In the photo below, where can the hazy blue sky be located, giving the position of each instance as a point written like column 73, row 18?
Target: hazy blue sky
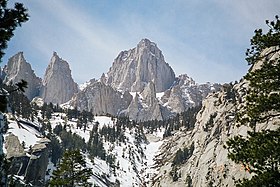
column 205, row 39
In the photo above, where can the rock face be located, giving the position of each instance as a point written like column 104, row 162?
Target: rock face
column 186, row 93
column 101, row 99
column 145, row 106
column 132, row 70
column 141, row 72
column 58, row 84
column 16, row 69
column 38, row 162
column 31, row 166
column 207, row 164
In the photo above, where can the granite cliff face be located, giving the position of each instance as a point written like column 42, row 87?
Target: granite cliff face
column 16, row 69
column 101, row 99
column 132, row 70
column 140, row 84
column 186, row 93
column 31, row 166
column 145, row 106
column 145, row 83
column 207, row 163
column 58, row 85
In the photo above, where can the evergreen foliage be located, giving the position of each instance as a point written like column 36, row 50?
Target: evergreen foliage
column 185, row 119
column 72, row 171
column 56, row 149
column 10, row 19
column 182, row 156
column 175, row 174
column 260, row 151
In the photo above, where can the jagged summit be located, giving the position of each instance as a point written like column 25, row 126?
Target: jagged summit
column 146, row 43
column 16, row 69
column 58, row 84
column 132, row 70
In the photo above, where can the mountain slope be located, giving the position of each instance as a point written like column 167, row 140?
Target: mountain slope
column 141, row 85
column 205, row 161
column 132, row 70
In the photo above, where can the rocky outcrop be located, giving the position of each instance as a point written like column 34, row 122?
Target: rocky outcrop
column 33, row 165
column 101, row 99
column 16, row 69
column 145, row 106
column 186, row 93
column 207, row 164
column 143, row 73
column 132, row 70
column 58, row 84
column 38, row 162
column 13, row 147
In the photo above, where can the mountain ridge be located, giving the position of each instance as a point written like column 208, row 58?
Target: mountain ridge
column 140, row 70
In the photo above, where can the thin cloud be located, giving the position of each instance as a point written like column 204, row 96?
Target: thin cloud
column 194, row 36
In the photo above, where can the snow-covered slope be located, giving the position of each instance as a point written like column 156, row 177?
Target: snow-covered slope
column 132, row 158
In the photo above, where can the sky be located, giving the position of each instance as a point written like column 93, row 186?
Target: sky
column 205, row 39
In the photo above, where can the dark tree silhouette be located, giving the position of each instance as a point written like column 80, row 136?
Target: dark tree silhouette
column 72, row 170
column 10, row 19
column 260, row 151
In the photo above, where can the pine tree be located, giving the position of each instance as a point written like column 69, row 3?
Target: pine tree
column 9, row 20
column 260, row 151
column 72, row 171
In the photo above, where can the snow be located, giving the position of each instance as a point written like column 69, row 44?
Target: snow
column 39, row 101
column 152, row 149
column 24, row 133
column 59, row 118
column 132, row 168
column 159, row 95
column 103, row 120
column 51, row 167
column 99, row 167
column 84, row 85
column 133, row 94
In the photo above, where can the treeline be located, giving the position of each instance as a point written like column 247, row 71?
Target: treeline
column 185, row 119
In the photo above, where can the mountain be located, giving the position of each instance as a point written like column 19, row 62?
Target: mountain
column 58, row 85
column 141, row 77
column 16, row 69
column 205, row 162
column 100, row 98
column 127, row 153
column 132, row 70
column 140, row 84
column 197, row 156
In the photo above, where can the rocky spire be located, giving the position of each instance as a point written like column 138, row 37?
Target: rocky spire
column 16, row 69
column 133, row 69
column 58, row 84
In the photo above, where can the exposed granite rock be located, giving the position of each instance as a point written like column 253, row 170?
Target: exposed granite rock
column 31, row 166
column 132, row 70
column 16, row 69
column 186, row 93
column 38, row 163
column 58, row 84
column 13, row 146
column 145, row 107
column 101, row 99
column 208, row 164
